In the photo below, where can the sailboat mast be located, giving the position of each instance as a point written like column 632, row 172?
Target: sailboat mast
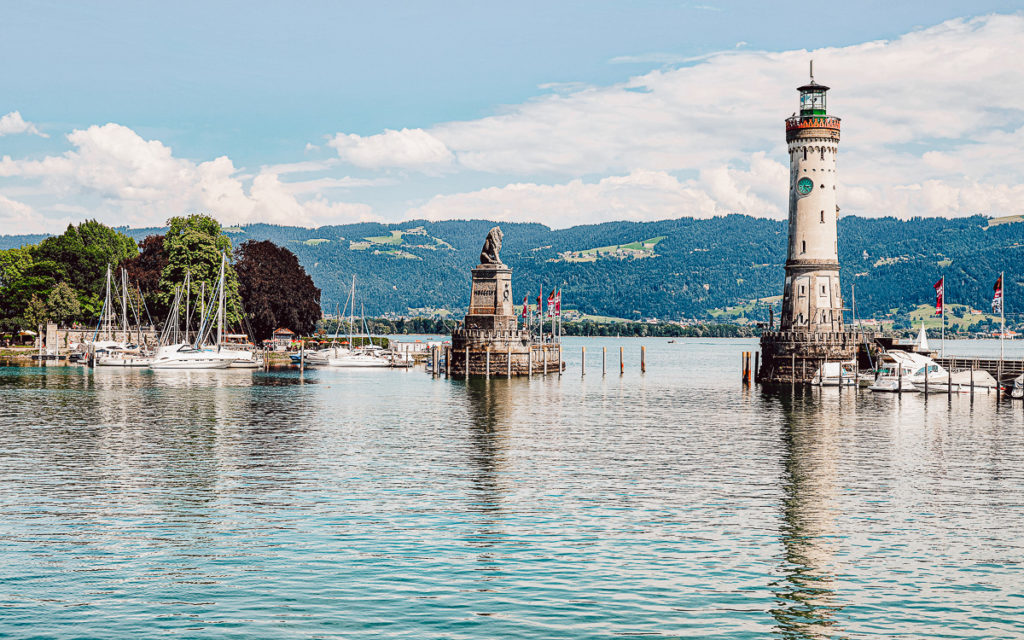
column 220, row 303
column 351, row 313
column 124, row 303
column 1002, row 313
column 942, row 348
column 188, row 297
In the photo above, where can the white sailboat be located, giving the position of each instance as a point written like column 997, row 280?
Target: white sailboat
column 112, row 352
column 186, row 355
column 352, row 357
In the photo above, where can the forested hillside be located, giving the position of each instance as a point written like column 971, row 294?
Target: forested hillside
column 687, row 268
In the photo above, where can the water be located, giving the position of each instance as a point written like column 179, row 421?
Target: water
column 359, row 504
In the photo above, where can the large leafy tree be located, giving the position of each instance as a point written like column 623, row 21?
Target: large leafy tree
column 194, row 245
column 84, row 252
column 277, row 290
column 145, row 271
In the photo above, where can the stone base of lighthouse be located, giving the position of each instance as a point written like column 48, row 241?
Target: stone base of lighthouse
column 490, row 343
column 793, row 357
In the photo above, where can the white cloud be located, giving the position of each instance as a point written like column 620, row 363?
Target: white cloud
column 13, row 123
column 641, row 195
column 937, row 107
column 406, row 149
column 141, row 182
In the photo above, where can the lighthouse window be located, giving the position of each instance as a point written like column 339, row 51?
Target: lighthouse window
column 823, row 215
column 823, row 292
column 803, row 246
column 823, row 153
column 805, row 153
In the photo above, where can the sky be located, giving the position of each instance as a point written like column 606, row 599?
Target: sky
column 562, row 113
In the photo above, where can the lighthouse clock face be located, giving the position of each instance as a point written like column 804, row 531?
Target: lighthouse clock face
column 804, row 186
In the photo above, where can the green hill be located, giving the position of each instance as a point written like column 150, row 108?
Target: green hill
column 728, row 266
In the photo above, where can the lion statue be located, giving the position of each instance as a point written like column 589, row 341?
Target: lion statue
column 492, row 247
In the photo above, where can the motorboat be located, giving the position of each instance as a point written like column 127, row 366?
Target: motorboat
column 121, row 356
column 357, row 358
column 832, row 374
column 960, row 382
column 186, row 356
column 900, row 371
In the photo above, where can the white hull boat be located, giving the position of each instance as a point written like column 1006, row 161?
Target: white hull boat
column 905, row 371
column 185, row 356
column 1018, row 388
column 357, row 360
column 960, row 382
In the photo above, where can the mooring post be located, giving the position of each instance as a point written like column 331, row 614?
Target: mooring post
column 302, row 357
column 840, row 375
column 792, row 369
column 643, row 359
column 434, row 364
column 757, row 365
column 972, row 380
column 822, row 368
column 529, row 361
column 926, row 382
column 949, row 382
column 604, row 360
column 583, row 361
column 803, row 370
column 999, row 380
column 467, row 363
column 508, row 363
column 622, row 363
column 743, row 366
column 487, row 363
column 559, row 359
column 899, row 378
column 544, row 352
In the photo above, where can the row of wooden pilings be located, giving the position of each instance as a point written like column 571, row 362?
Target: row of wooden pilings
column 435, row 365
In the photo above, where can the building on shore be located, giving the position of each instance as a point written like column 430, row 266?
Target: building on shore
column 489, row 342
column 811, row 328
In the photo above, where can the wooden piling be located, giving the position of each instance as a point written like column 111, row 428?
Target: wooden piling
column 544, row 352
column 467, row 363
column 447, row 361
column 302, row 357
column 604, row 360
column 508, row 363
column 821, row 372
column 972, row 381
column 757, row 365
column 643, row 359
column 529, row 362
column 899, row 379
column 487, row 363
column 583, row 361
column 792, row 369
column 559, row 359
column 999, row 381
column 926, row 382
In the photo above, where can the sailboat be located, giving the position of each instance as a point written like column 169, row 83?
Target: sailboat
column 352, row 357
column 193, row 355
column 112, row 352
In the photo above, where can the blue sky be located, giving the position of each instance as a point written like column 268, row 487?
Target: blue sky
column 558, row 112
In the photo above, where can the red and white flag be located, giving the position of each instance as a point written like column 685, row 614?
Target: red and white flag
column 526, row 305
column 940, row 287
column 558, row 304
column 997, row 296
column 551, row 304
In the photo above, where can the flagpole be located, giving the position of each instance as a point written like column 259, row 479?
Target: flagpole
column 1002, row 312
column 942, row 348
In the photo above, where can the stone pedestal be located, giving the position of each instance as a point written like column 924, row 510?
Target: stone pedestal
column 793, row 357
column 490, row 341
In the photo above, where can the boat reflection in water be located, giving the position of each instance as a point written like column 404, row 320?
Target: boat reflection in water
column 806, row 598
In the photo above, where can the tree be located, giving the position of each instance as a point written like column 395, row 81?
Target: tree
column 277, row 290
column 145, row 270
column 63, row 304
column 194, row 245
column 35, row 314
column 84, row 252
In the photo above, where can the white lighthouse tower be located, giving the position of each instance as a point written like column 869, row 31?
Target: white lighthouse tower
column 811, row 329
column 812, row 299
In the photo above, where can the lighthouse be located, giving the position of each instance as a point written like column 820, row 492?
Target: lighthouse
column 811, row 330
column 812, row 299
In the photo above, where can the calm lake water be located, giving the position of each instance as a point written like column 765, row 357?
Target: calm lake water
column 365, row 504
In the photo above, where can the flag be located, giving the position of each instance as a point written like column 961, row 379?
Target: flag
column 558, row 304
column 551, row 303
column 526, row 305
column 939, row 291
column 997, row 296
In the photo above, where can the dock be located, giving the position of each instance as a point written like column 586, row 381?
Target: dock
column 1004, row 370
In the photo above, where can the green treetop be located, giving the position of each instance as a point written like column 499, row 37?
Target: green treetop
column 194, row 244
